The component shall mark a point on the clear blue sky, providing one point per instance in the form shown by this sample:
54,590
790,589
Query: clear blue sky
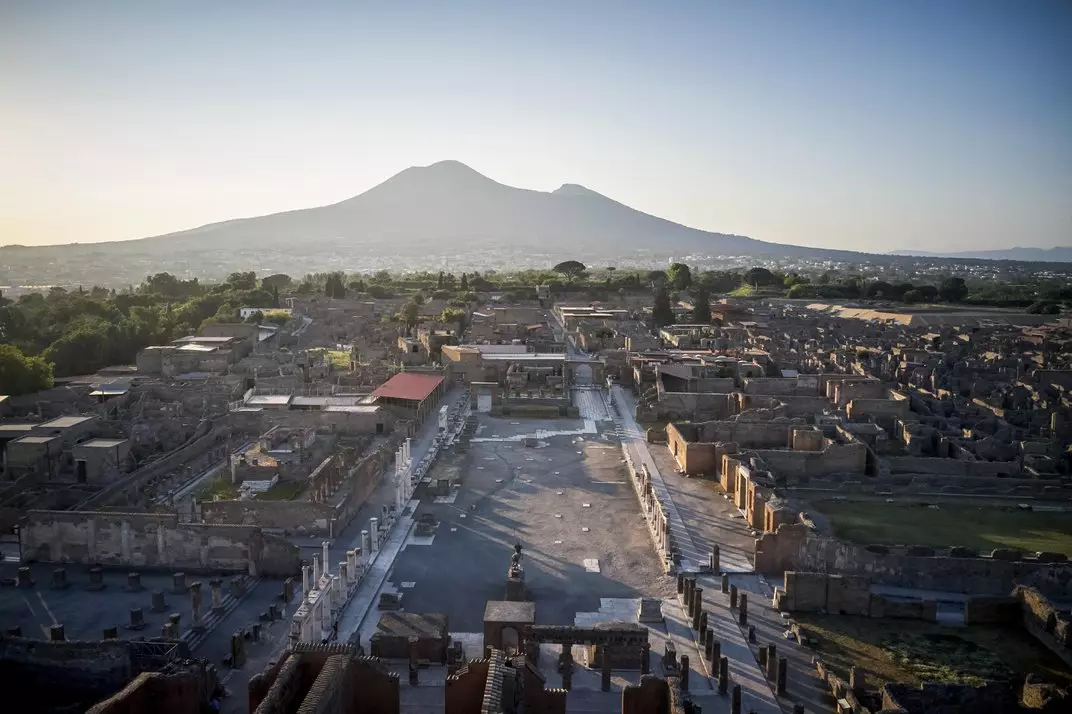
871,125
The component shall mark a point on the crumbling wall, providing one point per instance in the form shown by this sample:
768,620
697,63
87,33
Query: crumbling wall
303,517
183,690
990,698
797,547
63,674
465,688
950,467
1048,624
153,540
833,459
650,696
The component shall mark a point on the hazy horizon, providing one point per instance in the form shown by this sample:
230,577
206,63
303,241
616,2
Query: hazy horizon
870,127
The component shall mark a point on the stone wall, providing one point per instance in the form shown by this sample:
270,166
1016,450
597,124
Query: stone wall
465,688
63,674
847,595
833,459
185,690
153,540
691,406
652,695
207,445
302,517
797,547
950,467
1046,622
991,698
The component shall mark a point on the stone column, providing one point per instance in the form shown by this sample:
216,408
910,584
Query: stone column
195,605
733,596
725,582
681,583
324,558
716,650
772,661
645,658
316,570
723,675
344,576
134,582
159,605
685,672
111,633
216,590
366,544
351,562
715,564
59,579
178,583
374,534
702,628
743,611
24,578
605,678
783,674
708,642
137,619
735,701
96,578
697,607
306,579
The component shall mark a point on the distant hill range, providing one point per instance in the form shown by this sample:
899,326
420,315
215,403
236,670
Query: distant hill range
450,206
1060,254
423,217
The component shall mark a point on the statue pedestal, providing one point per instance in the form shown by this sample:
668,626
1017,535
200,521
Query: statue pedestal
515,584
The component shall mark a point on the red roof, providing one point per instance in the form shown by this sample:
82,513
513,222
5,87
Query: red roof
409,385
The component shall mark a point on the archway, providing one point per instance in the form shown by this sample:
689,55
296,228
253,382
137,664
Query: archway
511,640
582,375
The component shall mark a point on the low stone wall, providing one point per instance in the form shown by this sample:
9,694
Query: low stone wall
797,547
153,540
848,595
990,698
1048,624
176,692
63,674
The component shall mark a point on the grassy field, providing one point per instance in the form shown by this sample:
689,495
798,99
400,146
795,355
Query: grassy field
282,491
913,652
983,528
219,487
743,291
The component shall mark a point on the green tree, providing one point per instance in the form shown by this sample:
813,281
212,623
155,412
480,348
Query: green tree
953,289
418,297
679,276
758,277
464,284
701,310
571,269
457,316
21,374
83,350
879,289
334,287
656,277
661,312
278,281
410,314
439,281
242,281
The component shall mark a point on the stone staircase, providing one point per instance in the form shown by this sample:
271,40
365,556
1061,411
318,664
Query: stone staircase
212,618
